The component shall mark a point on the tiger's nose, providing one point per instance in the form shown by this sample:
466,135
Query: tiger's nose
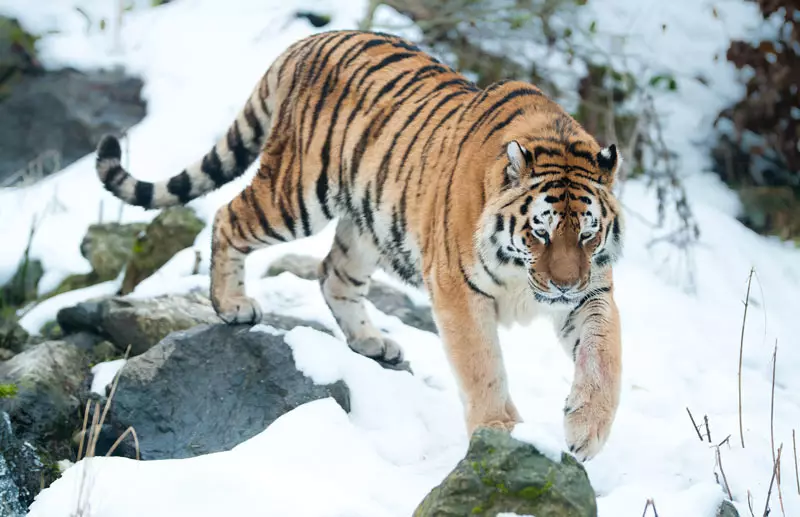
564,287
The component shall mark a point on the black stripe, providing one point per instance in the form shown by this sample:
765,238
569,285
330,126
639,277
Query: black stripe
180,186
388,60
596,293
212,167
253,123
541,150
315,76
262,218
288,221
469,282
113,173
143,192
387,88
241,155
503,124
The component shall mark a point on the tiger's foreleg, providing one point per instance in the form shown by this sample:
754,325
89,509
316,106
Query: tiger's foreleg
591,335
344,278
468,327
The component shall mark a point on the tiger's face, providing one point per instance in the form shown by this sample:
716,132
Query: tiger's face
556,218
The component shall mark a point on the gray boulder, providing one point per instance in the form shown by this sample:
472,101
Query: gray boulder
210,388
386,298
65,113
20,471
502,474
138,323
726,509
49,379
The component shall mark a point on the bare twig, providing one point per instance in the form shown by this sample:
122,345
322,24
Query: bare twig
750,502
772,480
694,424
724,477
130,430
796,472
772,424
708,428
741,351
647,505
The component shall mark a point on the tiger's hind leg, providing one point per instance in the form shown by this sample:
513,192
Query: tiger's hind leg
344,277
247,223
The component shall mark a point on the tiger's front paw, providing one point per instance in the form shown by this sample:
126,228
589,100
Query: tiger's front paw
239,310
379,348
588,416
504,417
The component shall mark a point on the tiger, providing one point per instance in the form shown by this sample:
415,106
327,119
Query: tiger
494,201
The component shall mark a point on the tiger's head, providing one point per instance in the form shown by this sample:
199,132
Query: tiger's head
555,217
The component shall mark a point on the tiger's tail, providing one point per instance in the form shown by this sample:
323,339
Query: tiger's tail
228,159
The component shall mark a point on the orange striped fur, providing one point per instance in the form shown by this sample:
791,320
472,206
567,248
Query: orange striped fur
494,200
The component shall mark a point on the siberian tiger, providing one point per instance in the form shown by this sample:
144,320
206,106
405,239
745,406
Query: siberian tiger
494,200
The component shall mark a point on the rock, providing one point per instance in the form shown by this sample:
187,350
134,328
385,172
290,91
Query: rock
502,474
138,323
109,246
17,53
301,266
726,509
23,285
12,335
20,471
49,379
57,117
212,387
386,298
173,230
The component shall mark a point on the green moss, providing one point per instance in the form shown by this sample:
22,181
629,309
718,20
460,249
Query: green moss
531,493
8,391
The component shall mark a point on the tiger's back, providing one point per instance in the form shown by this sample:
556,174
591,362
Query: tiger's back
485,197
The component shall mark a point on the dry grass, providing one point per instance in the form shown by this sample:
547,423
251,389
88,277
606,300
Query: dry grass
89,436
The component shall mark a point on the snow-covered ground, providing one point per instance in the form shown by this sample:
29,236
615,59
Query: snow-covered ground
200,59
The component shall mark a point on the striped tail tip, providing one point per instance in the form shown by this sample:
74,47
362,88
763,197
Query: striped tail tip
109,148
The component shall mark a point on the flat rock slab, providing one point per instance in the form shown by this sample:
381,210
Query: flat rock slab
211,387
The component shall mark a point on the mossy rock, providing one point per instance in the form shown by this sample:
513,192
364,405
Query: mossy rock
24,285
109,246
12,335
17,52
502,474
174,229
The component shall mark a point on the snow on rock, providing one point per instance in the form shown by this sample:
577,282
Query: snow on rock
46,311
103,375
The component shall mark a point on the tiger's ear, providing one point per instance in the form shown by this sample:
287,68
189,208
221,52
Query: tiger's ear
521,160
608,160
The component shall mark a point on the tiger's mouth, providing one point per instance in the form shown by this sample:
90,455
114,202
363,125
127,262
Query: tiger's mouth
553,297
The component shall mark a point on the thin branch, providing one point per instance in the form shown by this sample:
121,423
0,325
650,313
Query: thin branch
708,428
772,424
722,471
772,480
694,424
647,505
750,503
741,351
796,472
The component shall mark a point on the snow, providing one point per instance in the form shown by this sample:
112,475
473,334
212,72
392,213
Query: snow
103,375
46,311
405,432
